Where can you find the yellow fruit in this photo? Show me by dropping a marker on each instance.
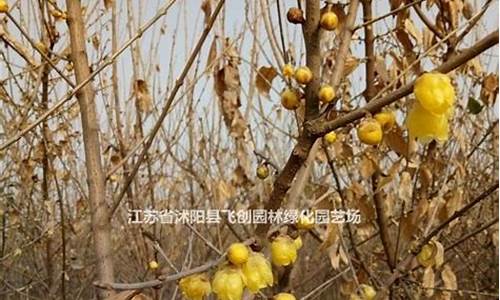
(370, 132)
(426, 126)
(329, 21)
(330, 137)
(305, 222)
(434, 92)
(283, 251)
(368, 292)
(195, 287)
(426, 256)
(4, 6)
(303, 75)
(237, 253)
(257, 272)
(262, 171)
(284, 296)
(58, 15)
(153, 265)
(326, 94)
(290, 99)
(288, 71)
(354, 297)
(228, 284)
(386, 119)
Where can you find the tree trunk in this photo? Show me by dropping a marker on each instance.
(90, 128)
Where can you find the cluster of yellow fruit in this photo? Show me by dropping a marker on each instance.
(290, 97)
(371, 131)
(367, 292)
(245, 268)
(428, 118)
(4, 6)
(328, 21)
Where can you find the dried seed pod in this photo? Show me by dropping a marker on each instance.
(295, 15)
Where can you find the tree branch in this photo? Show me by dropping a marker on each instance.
(321, 126)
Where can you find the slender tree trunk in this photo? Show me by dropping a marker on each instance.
(90, 127)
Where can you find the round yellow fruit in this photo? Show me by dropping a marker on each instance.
(426, 126)
(4, 6)
(426, 256)
(228, 284)
(283, 251)
(434, 92)
(370, 132)
(237, 253)
(304, 222)
(257, 272)
(195, 287)
(284, 296)
(326, 94)
(288, 71)
(330, 137)
(303, 75)
(368, 292)
(153, 265)
(262, 171)
(290, 99)
(386, 119)
(329, 21)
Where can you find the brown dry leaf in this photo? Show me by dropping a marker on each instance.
(395, 4)
(468, 10)
(330, 236)
(439, 258)
(425, 176)
(454, 201)
(384, 180)
(404, 39)
(395, 140)
(223, 192)
(126, 295)
(350, 64)
(108, 3)
(96, 42)
(489, 89)
(141, 297)
(381, 70)
(228, 87)
(367, 167)
(212, 54)
(428, 282)
(144, 101)
(206, 7)
(413, 31)
(449, 279)
(405, 188)
(264, 79)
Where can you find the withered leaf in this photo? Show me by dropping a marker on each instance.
(108, 3)
(144, 102)
(449, 278)
(396, 142)
(206, 7)
(212, 54)
(428, 282)
(264, 79)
